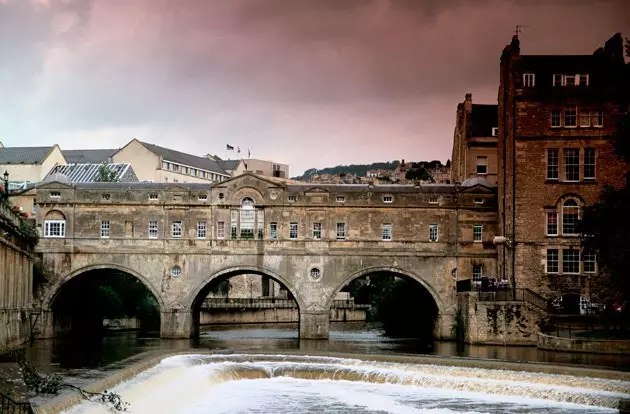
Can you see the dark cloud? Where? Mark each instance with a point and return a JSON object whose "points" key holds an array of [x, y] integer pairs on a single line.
{"points": [[369, 79]]}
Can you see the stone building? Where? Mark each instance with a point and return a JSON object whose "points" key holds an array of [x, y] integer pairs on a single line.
{"points": [[556, 118], [475, 142], [16, 281]]}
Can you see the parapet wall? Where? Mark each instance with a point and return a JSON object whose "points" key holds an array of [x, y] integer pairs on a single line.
{"points": [[555, 343]]}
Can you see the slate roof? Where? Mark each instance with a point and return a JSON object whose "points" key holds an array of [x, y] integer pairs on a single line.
{"points": [[23, 155], [92, 156], [357, 188], [185, 159], [228, 164], [143, 186], [484, 118], [87, 173]]}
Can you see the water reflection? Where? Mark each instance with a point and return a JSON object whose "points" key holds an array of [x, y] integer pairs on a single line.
{"points": [[87, 353]]}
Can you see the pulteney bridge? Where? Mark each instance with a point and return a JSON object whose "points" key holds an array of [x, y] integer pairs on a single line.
{"points": [[178, 239]]}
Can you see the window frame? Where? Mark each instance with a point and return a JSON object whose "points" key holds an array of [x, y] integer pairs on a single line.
{"points": [[292, 199], [340, 199], [316, 231], [484, 165], [567, 77], [386, 232], [529, 79], [105, 229], [341, 230], [565, 223], [549, 223], [557, 79], [566, 263], [434, 200], [550, 260], [177, 225], [591, 166], [598, 119], [273, 230], [585, 115], [47, 229], [581, 76], [294, 230], [150, 229], [571, 113], [202, 230], [574, 165], [220, 230], [477, 274], [555, 167], [388, 199], [434, 233], [477, 233], [555, 115], [592, 262]]}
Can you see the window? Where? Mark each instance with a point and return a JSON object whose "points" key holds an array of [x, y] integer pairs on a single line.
{"points": [[495, 131], [433, 232], [316, 273], [570, 117], [529, 80], [589, 260], [176, 229], [433, 200], [175, 180], [598, 119], [153, 229], [201, 229], [570, 212], [477, 272], [175, 167], [176, 271], [317, 231], [589, 163], [292, 199], [202, 197], [552, 223], [105, 196], [164, 165], [105, 228], [552, 261], [220, 229], [552, 164], [388, 199], [387, 232], [273, 230], [570, 261], [477, 233], [341, 231], [247, 215], [583, 80], [293, 231], [478, 200], [585, 119], [153, 196], [557, 80], [55, 228], [482, 165], [569, 80], [55, 194], [572, 164], [341, 199], [556, 121]]}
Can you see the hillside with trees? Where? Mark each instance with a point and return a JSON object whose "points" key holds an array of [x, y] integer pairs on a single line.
{"points": [[362, 169]]}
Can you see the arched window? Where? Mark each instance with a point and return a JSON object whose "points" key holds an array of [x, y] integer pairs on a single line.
{"points": [[247, 218], [570, 214], [54, 224]]}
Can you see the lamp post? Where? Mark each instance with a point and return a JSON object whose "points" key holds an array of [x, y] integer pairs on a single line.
{"points": [[6, 184]]}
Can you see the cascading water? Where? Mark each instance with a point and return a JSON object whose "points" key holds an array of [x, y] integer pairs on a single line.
{"points": [[306, 384]]}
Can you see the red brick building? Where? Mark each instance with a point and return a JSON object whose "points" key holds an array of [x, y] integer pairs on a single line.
{"points": [[556, 118]]}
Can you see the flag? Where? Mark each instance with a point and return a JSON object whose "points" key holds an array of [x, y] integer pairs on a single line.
{"points": [[238, 149], [228, 147], [249, 153]]}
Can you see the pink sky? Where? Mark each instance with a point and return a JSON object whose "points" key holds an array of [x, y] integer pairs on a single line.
{"points": [[311, 83]]}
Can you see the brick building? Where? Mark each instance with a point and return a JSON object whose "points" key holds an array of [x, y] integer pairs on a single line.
{"points": [[556, 119]]}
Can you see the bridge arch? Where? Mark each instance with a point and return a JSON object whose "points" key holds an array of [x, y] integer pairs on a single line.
{"points": [[52, 293], [387, 269]]}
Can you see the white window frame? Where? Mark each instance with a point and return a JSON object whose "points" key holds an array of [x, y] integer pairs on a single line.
{"points": [[555, 115], [317, 231], [387, 232], [153, 229], [434, 232], [481, 161], [565, 158], [291, 199], [105, 229], [477, 233], [477, 274], [557, 79], [153, 197], [585, 119], [220, 230], [553, 167], [434, 200], [565, 209], [294, 231], [548, 215], [576, 255], [48, 227], [478, 200], [580, 76], [341, 199], [567, 77], [529, 80], [202, 230], [592, 260], [55, 194], [177, 229], [571, 110], [273, 230], [388, 199], [593, 164], [598, 119], [495, 131], [342, 232], [202, 197], [549, 259]]}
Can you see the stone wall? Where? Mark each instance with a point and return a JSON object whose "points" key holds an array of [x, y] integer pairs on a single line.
{"points": [[554, 343], [274, 315], [498, 322]]}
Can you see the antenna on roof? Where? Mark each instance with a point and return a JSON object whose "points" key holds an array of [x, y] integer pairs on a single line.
{"points": [[518, 30]]}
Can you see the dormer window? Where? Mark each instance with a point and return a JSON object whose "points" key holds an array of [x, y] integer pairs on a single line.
{"points": [[529, 80], [55, 194], [341, 199], [292, 199]]}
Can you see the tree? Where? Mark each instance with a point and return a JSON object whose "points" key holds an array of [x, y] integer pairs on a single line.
{"points": [[106, 174], [605, 226], [418, 174]]}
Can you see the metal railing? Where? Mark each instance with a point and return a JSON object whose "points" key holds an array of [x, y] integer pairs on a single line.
{"points": [[8, 406], [514, 295], [269, 303]]}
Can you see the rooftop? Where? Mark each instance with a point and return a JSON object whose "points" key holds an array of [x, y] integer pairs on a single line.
{"points": [[94, 156], [89, 172], [183, 158], [23, 155]]}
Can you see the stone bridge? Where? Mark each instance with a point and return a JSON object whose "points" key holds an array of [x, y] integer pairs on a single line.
{"points": [[313, 239]]}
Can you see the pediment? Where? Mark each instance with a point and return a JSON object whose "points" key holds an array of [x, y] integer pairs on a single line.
{"points": [[317, 190], [177, 188], [249, 179], [54, 185], [478, 189]]}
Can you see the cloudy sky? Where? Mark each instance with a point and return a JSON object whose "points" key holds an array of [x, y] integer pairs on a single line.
{"points": [[311, 83]]}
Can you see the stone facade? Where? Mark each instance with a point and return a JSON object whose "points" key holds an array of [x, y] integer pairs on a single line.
{"points": [[556, 120], [16, 282], [313, 239]]}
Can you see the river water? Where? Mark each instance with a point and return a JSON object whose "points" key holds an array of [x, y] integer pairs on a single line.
{"points": [[271, 383]]}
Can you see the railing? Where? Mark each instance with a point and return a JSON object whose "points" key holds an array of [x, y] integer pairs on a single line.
{"points": [[269, 303], [514, 295], [8, 406], [7, 213]]}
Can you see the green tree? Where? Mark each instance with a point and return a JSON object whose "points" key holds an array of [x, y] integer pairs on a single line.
{"points": [[418, 174], [605, 226], [106, 174]]}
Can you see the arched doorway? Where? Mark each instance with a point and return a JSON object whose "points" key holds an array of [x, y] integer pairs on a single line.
{"points": [[244, 296], [400, 302], [99, 300]]}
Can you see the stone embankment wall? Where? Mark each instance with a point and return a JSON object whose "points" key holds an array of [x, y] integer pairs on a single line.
{"points": [[121, 324], [274, 315], [16, 281], [555, 343], [498, 322]]}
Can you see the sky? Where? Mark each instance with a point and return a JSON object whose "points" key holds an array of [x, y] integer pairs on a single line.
{"points": [[310, 83]]}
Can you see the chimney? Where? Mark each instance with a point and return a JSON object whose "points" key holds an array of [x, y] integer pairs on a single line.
{"points": [[468, 103]]}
